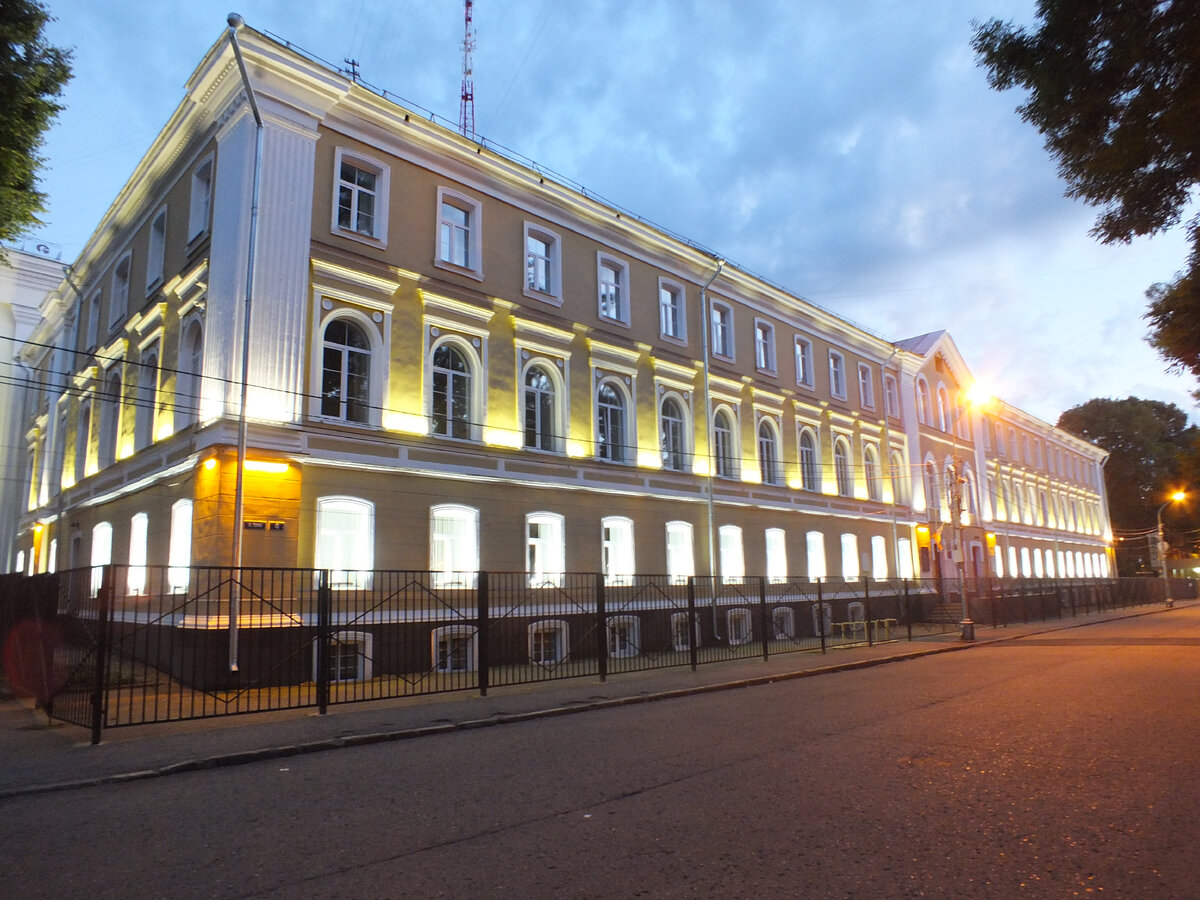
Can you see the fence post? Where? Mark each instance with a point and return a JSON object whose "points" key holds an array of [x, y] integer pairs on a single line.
{"points": [[482, 632], [103, 614], [867, 611], [693, 650], [762, 614], [820, 615], [907, 609], [324, 602], [601, 629]]}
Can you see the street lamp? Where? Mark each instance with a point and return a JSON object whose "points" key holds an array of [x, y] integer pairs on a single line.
{"points": [[1162, 547], [975, 396]]}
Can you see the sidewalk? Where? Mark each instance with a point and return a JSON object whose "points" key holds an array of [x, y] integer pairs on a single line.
{"points": [[38, 757]]}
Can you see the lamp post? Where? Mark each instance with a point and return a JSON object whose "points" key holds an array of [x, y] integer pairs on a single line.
{"points": [[1162, 547]]}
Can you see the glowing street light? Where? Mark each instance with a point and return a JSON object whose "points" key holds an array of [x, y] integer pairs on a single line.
{"points": [[1162, 547]]}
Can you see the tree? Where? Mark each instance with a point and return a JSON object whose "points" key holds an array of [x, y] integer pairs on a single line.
{"points": [[1152, 451], [1114, 86], [32, 74]]}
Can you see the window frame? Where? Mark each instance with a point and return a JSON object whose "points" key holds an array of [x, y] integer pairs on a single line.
{"points": [[678, 306], [617, 550], [764, 347], [556, 436], [201, 196], [721, 330], [448, 574], [843, 471], [561, 628], [606, 449], [891, 395], [118, 298], [382, 171], [358, 540], [374, 351], [775, 542], [837, 375], [472, 245], [679, 570], [606, 262], [444, 664], [803, 351], [769, 468], [459, 428], [731, 553], [156, 250], [810, 463], [676, 457], [553, 293], [554, 546], [866, 386], [725, 465], [630, 644]]}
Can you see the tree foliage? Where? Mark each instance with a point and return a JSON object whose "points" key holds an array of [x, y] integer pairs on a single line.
{"points": [[32, 74], [1153, 451], [1114, 87]]}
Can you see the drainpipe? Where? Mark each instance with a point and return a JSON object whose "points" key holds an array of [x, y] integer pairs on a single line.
{"points": [[705, 324], [236, 22]]}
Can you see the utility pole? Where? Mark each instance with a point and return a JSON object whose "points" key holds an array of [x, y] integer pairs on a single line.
{"points": [[466, 108]]}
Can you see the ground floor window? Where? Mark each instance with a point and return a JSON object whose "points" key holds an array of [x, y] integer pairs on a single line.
{"points": [[822, 615], [453, 545], [348, 656], [738, 627], [680, 639], [624, 636], [455, 648], [548, 641], [783, 623]]}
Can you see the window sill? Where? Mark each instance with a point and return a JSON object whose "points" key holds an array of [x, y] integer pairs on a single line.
{"points": [[445, 266], [543, 297], [360, 238]]}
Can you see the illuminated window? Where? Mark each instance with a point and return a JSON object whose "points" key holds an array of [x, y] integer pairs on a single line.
{"points": [[101, 553], [904, 557], [899, 475], [139, 531], [851, 567], [681, 563], [841, 468], [810, 472], [451, 392], [110, 418], [776, 555], [83, 429], [179, 553], [147, 398], [733, 560], [345, 540], [453, 545], [189, 377], [879, 562], [871, 472], [346, 372], [541, 410], [815, 545], [616, 550], [544, 549]]}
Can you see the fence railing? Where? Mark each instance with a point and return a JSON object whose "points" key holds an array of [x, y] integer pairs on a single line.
{"points": [[117, 645]]}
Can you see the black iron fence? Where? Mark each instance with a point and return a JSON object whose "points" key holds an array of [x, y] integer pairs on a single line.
{"points": [[120, 645]]}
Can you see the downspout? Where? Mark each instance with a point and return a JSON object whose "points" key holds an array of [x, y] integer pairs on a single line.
{"points": [[236, 22], [705, 324]]}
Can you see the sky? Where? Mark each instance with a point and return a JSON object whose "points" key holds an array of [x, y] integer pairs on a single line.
{"points": [[851, 153]]}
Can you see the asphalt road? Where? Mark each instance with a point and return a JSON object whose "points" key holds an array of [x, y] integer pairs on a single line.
{"points": [[1052, 766]]}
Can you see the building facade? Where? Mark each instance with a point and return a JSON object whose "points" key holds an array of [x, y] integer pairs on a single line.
{"points": [[456, 362]]}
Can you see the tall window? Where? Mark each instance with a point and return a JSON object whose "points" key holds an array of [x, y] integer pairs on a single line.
{"points": [[93, 320], [612, 277], [768, 452], [346, 372], [841, 468], [454, 235], [538, 248], [83, 436], [453, 545], [188, 379], [681, 563], [851, 567], [110, 419], [866, 387], [722, 330], [899, 478], [810, 473], [904, 558], [357, 187], [733, 560], [345, 540], [672, 322], [544, 549], [616, 549], [158, 245], [815, 545], [101, 553], [837, 375], [723, 446], [610, 423], [451, 393], [540, 412], [879, 563], [871, 472], [118, 305], [671, 432], [923, 407], [139, 530], [776, 556], [179, 552], [891, 395], [933, 499], [201, 202], [764, 346], [943, 409], [804, 361], [147, 399]]}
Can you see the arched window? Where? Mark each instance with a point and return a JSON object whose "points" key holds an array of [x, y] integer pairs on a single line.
{"points": [[610, 423], [723, 446], [540, 410], [147, 400], [899, 479], [346, 372], [923, 402], [188, 380], [871, 471], [841, 468], [809, 470], [453, 545], [451, 392], [345, 540], [932, 495], [110, 418], [671, 435], [83, 435], [768, 452], [943, 408]]}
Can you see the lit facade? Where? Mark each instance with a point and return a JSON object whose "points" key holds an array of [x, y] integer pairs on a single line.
{"points": [[458, 363]]}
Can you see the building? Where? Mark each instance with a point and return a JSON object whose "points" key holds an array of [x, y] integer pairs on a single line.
{"points": [[458, 363]]}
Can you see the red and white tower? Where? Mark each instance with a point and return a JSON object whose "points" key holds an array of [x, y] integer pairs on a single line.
{"points": [[466, 109]]}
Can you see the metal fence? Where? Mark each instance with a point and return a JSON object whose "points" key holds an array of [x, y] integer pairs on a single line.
{"points": [[118, 645]]}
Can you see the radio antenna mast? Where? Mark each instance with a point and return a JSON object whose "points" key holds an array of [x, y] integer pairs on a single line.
{"points": [[466, 109]]}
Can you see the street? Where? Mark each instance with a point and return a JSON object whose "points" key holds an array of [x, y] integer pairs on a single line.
{"points": [[1057, 765]]}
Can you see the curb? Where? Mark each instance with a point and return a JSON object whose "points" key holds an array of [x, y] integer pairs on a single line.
{"points": [[282, 751]]}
